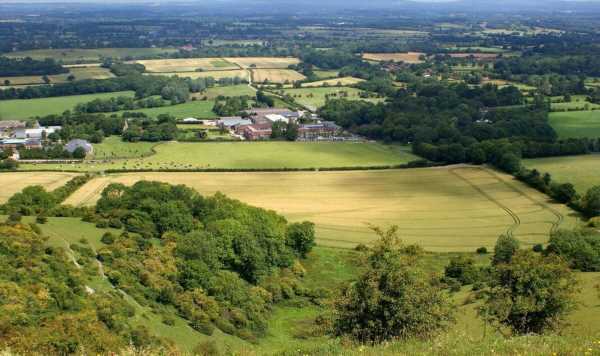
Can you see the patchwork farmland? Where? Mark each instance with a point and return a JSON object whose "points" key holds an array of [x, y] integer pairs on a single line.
{"points": [[444, 209], [409, 57], [276, 75]]}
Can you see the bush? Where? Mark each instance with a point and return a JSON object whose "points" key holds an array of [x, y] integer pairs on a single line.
{"points": [[207, 348], [393, 298], [482, 251], [530, 294], [462, 269], [538, 248], [41, 219], [505, 248], [580, 250], [108, 238]]}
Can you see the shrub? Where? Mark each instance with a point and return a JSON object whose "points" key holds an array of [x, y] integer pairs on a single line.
{"points": [[580, 250], [41, 219], [538, 248], [462, 269], [505, 248], [530, 294], [108, 238], [482, 250], [393, 298]]}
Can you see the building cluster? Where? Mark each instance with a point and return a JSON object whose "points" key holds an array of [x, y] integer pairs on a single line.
{"points": [[257, 124], [17, 134]]}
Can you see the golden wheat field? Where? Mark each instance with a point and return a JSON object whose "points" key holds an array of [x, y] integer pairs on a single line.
{"points": [[444, 209], [263, 62], [186, 65], [14, 182], [216, 74], [276, 75], [409, 57]]}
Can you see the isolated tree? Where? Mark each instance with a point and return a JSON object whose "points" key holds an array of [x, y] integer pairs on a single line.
{"points": [[506, 247], [79, 153], [393, 298], [530, 294]]}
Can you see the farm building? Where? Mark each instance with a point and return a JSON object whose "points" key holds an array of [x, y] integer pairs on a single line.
{"points": [[324, 129], [8, 127], [15, 143], [72, 145], [232, 122], [37, 133], [277, 118], [255, 132], [191, 120]]}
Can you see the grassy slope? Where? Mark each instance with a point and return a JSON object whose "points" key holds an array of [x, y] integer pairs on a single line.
{"points": [[255, 155], [582, 171], [27, 108], [232, 90], [576, 124]]}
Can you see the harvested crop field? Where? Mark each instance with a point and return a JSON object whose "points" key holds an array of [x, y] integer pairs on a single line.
{"points": [[217, 74], [276, 75], [444, 209], [409, 57], [186, 65], [14, 182], [263, 62]]}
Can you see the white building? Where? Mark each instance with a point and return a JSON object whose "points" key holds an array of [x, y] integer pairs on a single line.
{"points": [[36, 133], [276, 118]]}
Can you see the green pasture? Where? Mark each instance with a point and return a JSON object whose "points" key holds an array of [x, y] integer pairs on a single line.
{"points": [[314, 98], [576, 124], [27, 108], [77, 55], [582, 171]]}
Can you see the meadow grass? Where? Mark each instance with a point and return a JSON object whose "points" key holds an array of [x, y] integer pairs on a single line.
{"points": [[229, 90], [27, 108], [80, 73], [576, 124], [114, 147], [443, 209], [252, 155], [582, 171], [325, 74], [333, 82], [199, 109]]}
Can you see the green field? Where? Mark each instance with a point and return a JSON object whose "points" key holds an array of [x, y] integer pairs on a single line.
{"points": [[576, 124], [200, 109], [442, 209], [27, 108], [274, 155], [231, 90], [314, 98], [582, 171], [326, 74], [113, 147], [69, 56]]}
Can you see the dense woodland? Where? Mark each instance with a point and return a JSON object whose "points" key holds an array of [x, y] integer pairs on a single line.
{"points": [[16, 67]]}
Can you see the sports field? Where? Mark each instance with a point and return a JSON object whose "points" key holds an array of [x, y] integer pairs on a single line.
{"points": [[27, 108], [582, 171], [576, 123], [334, 82], [315, 98], [443, 209], [14, 182], [263, 62], [80, 73], [408, 57], [252, 155], [186, 65], [276, 75], [78, 55], [217, 74]]}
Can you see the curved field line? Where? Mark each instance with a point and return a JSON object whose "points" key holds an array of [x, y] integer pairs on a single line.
{"points": [[516, 220], [559, 217]]}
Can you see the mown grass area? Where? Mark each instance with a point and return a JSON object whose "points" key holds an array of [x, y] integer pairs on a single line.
{"points": [[252, 155], [333, 82], [28, 108], [582, 171], [447, 209], [314, 98], [576, 123], [199, 109], [114, 147], [230, 90], [326, 74], [78, 55]]}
